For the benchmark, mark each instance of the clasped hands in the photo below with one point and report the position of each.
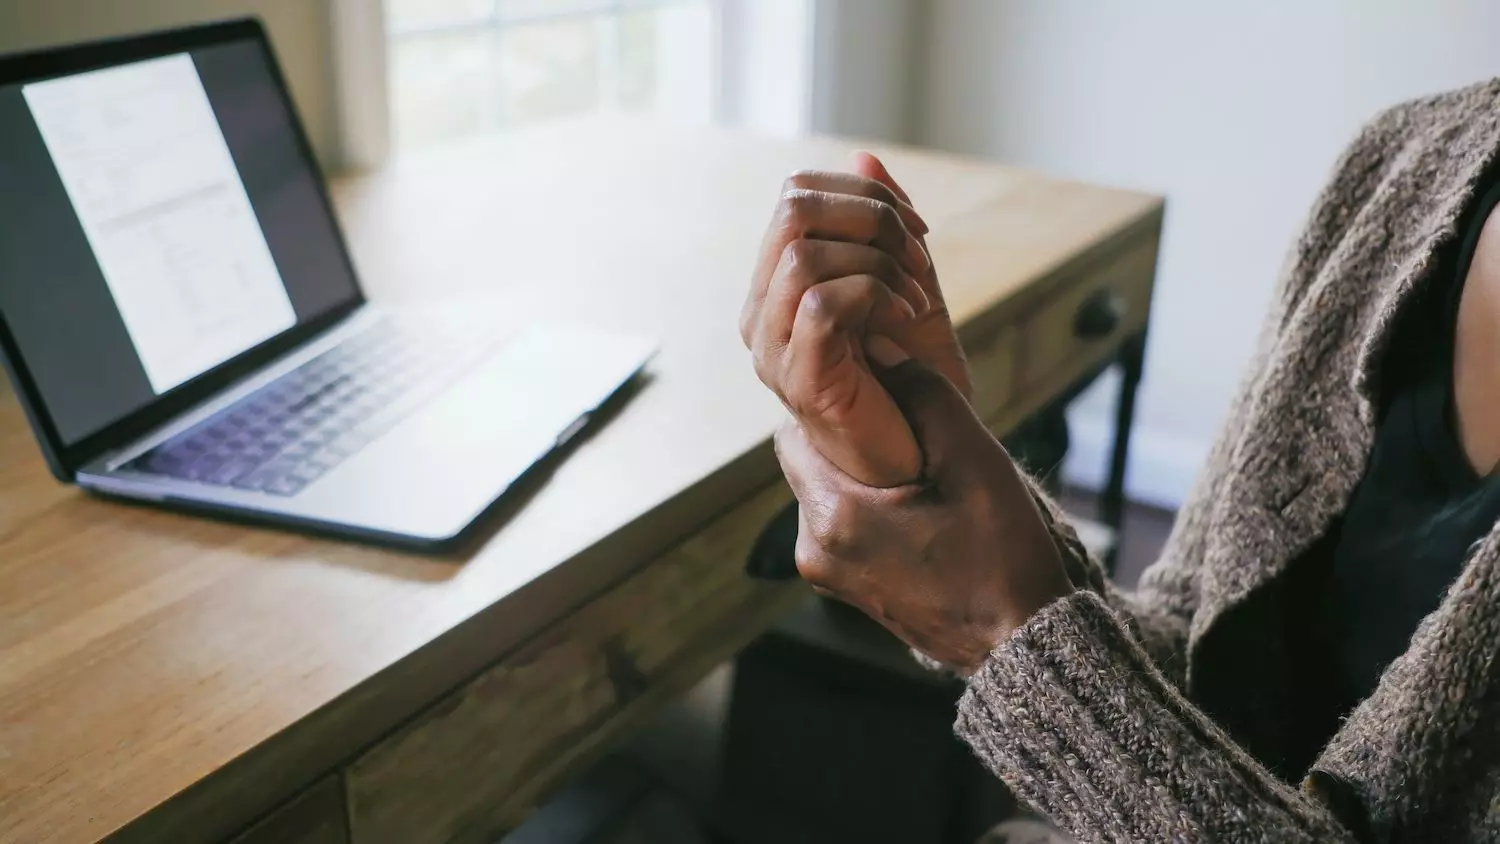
(910, 509)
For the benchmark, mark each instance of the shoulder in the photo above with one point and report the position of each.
(1432, 116)
(1435, 138)
(1450, 126)
(1404, 162)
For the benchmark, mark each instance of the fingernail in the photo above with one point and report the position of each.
(917, 297)
(884, 351)
(906, 307)
(919, 254)
(916, 220)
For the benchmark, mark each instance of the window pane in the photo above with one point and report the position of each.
(520, 9)
(406, 15)
(666, 62)
(443, 85)
(638, 57)
(550, 69)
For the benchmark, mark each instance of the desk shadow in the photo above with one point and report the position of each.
(381, 555)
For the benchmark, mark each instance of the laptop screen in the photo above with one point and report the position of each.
(157, 219)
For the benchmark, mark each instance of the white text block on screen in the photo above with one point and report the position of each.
(154, 185)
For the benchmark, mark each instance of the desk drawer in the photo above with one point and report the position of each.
(1085, 322)
(316, 816)
(992, 369)
(474, 764)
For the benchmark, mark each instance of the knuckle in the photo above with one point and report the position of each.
(769, 375)
(813, 564)
(796, 207)
(767, 366)
(801, 256)
(829, 524)
(800, 180)
(748, 319)
(836, 534)
(817, 307)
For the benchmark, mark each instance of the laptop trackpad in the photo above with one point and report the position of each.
(443, 465)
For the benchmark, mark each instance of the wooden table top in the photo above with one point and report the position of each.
(142, 651)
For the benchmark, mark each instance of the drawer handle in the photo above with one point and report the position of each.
(1099, 315)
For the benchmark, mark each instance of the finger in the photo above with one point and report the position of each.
(870, 166)
(834, 316)
(816, 215)
(941, 420)
(828, 385)
(805, 263)
(822, 215)
(859, 184)
(866, 164)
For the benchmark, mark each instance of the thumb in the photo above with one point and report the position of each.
(940, 417)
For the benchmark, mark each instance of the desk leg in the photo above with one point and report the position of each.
(1112, 504)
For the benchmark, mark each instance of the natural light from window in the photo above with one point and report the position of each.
(461, 67)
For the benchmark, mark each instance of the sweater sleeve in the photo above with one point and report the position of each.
(1081, 712)
(1073, 715)
(1158, 612)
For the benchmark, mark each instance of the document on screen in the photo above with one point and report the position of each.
(155, 188)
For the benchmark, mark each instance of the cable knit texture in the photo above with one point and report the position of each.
(1153, 715)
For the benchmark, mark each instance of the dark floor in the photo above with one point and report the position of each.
(680, 751)
(1142, 534)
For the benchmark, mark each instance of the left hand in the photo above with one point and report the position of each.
(842, 274)
(951, 564)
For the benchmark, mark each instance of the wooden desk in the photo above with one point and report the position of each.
(165, 678)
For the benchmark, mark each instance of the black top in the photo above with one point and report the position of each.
(1413, 519)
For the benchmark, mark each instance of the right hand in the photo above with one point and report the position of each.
(951, 565)
(845, 282)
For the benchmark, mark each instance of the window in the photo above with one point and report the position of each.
(459, 67)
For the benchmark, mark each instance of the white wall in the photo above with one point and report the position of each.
(299, 33)
(767, 65)
(863, 57)
(1234, 110)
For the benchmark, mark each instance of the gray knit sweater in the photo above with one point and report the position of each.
(1126, 716)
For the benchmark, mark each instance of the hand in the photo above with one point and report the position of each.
(844, 279)
(951, 565)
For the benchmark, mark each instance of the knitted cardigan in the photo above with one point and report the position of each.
(1125, 716)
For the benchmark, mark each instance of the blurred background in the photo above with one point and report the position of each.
(1235, 111)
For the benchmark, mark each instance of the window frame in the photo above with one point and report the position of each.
(743, 52)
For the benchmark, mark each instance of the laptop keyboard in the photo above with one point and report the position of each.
(295, 429)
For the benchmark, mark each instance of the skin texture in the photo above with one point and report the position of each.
(843, 274)
(911, 510)
(951, 564)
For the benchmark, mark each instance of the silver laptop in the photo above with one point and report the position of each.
(181, 320)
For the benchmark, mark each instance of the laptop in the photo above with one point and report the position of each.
(183, 325)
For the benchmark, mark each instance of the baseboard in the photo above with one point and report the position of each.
(1159, 472)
